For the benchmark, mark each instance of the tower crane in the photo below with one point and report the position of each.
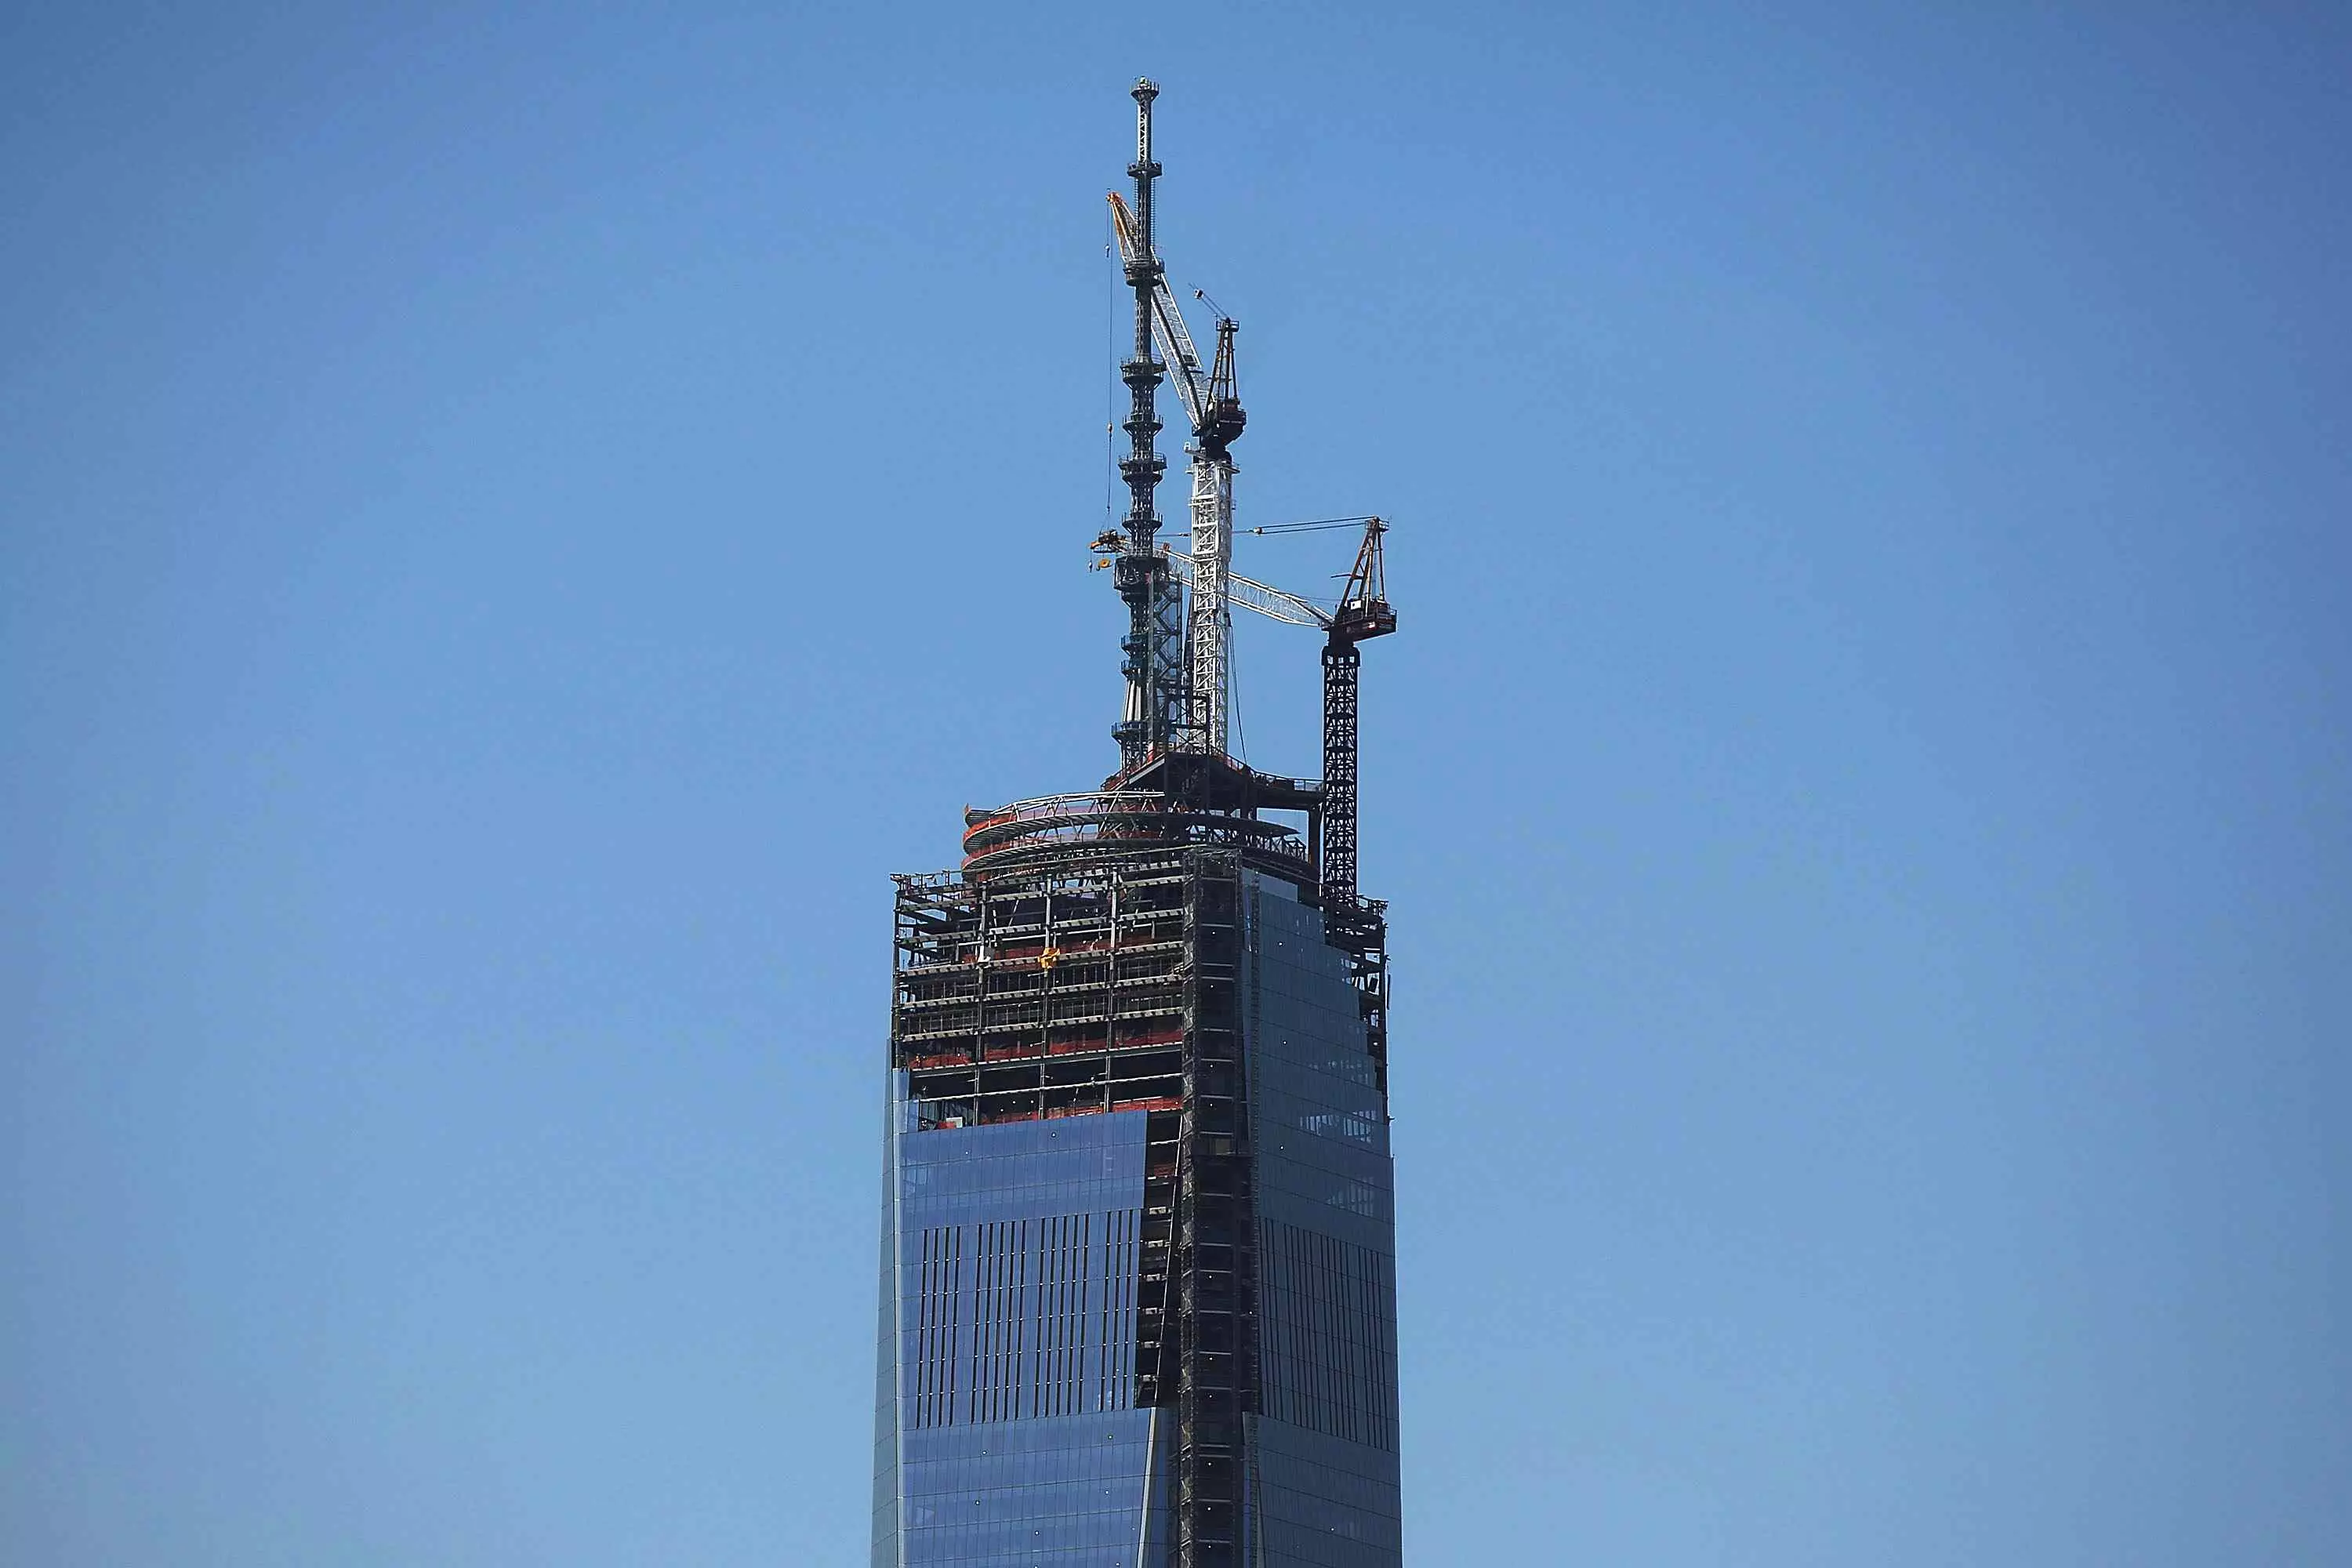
(1211, 401)
(1361, 614)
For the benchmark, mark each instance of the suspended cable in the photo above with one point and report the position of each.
(1312, 525)
(1110, 384)
(1234, 710)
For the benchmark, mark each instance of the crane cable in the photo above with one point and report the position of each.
(1311, 525)
(1110, 385)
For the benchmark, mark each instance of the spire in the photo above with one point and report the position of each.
(1154, 678)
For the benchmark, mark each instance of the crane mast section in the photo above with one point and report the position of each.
(1211, 627)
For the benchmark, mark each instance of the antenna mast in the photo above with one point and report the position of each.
(1155, 679)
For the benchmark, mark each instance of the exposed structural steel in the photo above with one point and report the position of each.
(1138, 1238)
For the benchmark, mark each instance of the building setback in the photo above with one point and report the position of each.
(1137, 1261)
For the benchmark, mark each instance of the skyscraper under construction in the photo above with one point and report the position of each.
(1137, 1284)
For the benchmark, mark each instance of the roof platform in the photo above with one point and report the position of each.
(1205, 782)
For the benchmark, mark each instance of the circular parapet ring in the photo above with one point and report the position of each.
(1110, 819)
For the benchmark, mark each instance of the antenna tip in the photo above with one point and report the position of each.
(1145, 90)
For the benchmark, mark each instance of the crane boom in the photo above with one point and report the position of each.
(1167, 322)
(1274, 604)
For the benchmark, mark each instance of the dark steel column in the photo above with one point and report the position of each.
(1213, 1271)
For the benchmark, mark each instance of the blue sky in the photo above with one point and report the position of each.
(516, 521)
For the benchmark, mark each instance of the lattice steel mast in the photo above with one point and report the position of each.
(1364, 614)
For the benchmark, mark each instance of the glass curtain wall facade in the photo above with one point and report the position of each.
(1325, 1433)
(1009, 1431)
(1038, 1346)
